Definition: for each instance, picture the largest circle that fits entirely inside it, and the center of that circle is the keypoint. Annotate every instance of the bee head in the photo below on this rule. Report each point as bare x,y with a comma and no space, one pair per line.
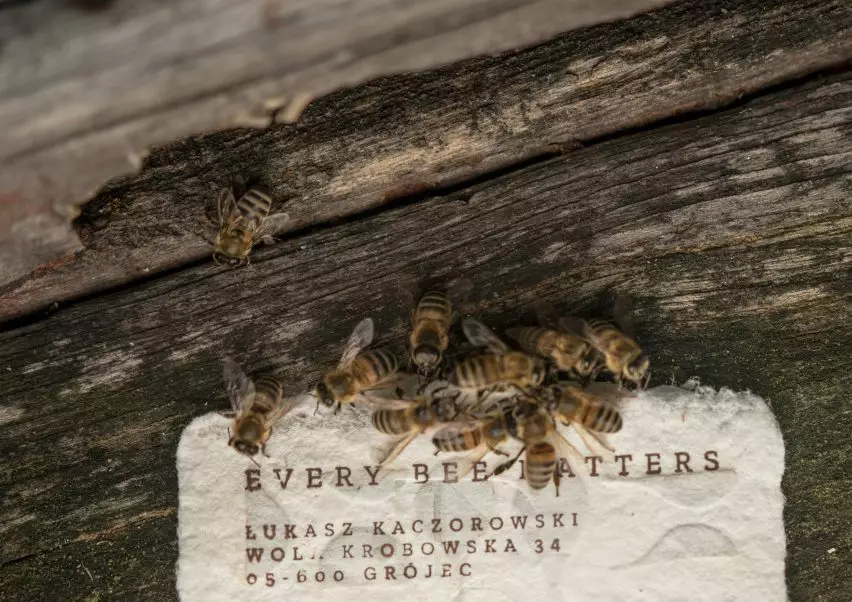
637,368
324,395
244,446
426,356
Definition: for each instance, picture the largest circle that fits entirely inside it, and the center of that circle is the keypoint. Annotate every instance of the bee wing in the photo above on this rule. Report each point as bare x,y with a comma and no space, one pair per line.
225,204
622,313
457,292
607,393
384,403
546,314
573,325
359,340
482,336
271,224
565,449
596,443
239,386
467,462
285,404
389,454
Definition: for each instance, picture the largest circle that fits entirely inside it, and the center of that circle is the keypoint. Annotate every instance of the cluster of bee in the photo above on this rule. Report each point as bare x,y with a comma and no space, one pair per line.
485,398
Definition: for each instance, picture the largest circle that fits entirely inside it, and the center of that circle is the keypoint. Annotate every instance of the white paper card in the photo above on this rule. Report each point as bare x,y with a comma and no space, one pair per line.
688,508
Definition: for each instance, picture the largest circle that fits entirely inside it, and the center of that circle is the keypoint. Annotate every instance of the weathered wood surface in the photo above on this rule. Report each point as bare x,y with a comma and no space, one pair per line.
84,93
376,144
732,231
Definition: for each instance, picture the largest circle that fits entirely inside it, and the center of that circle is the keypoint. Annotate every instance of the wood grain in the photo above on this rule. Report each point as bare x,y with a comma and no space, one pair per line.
85,93
357,150
732,231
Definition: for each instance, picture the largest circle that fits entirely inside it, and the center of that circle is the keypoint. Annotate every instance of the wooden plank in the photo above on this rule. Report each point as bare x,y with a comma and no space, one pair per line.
732,231
365,147
84,93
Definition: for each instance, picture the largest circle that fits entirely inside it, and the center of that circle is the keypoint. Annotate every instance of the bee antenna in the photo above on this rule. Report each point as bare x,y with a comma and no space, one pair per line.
255,461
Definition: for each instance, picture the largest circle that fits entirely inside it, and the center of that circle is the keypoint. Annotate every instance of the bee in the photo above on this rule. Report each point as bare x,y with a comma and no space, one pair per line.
623,356
592,414
359,370
430,325
404,420
559,340
477,437
500,368
244,219
567,351
257,404
543,445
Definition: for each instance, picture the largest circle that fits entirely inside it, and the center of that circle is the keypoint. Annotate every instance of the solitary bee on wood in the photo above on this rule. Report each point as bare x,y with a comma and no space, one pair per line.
243,214
257,404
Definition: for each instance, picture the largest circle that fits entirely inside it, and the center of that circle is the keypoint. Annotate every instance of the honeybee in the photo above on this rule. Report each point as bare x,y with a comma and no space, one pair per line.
359,370
406,419
430,325
500,368
590,413
244,220
477,437
257,404
568,352
543,445
623,356
559,340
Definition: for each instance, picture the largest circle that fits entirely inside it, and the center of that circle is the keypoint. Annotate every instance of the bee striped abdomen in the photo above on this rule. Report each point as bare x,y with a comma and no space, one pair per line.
600,417
267,393
471,373
254,205
392,422
457,440
535,339
540,464
374,366
434,305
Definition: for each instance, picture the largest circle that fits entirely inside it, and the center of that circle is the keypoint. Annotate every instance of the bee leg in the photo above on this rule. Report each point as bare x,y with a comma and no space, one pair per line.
507,465
646,380
557,478
230,438
317,408
263,447
337,408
